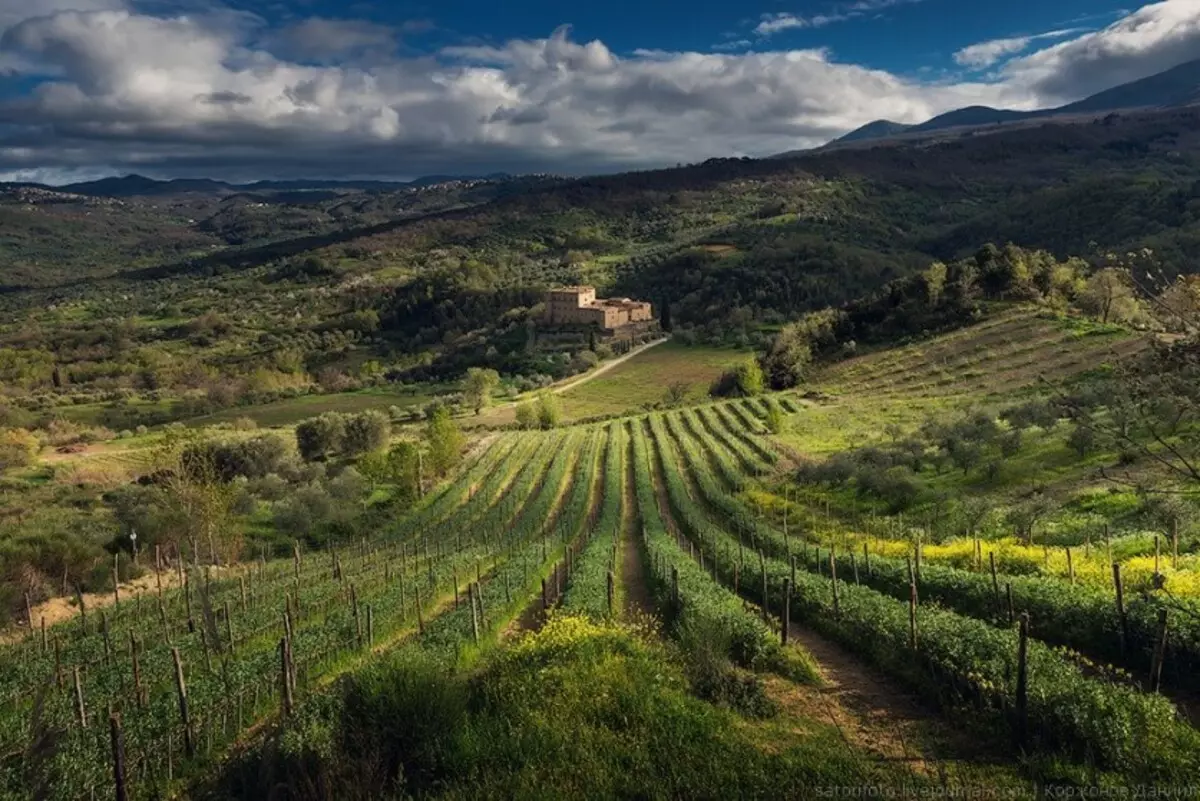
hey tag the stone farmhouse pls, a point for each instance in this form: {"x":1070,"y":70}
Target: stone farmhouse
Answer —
{"x":578,"y":305}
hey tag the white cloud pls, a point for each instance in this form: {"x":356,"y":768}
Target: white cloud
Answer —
{"x":208,"y":94}
{"x":772,"y":24}
{"x":1149,"y":40}
{"x":320,"y":39}
{"x":985,"y":54}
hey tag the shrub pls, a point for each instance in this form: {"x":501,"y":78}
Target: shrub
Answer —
{"x":526,"y":415}
{"x":18,"y":448}
{"x":319,"y":436}
{"x":549,"y":411}
{"x":365,"y":432}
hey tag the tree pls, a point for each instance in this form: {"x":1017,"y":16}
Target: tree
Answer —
{"x":200,"y":498}
{"x":18,"y":448}
{"x":1108,"y":294}
{"x":1178,"y":306}
{"x":404,"y":469}
{"x":935,"y":282}
{"x":375,"y":468}
{"x":792,"y":351}
{"x":478,"y":387}
{"x":775,"y":420}
{"x":1025,"y":515}
{"x":677,"y":392}
{"x":549,"y":411}
{"x":526,"y":415}
{"x":446,"y":442}
{"x":1082,"y":439}
{"x":364,"y":432}
{"x":749,"y":377}
{"x":319,"y":436}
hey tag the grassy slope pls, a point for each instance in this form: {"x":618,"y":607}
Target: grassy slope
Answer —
{"x":996,"y":362}
{"x":644,"y":379}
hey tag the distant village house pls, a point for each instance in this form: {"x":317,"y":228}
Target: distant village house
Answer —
{"x":578,"y":305}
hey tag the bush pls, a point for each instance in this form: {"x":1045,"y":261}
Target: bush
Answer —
{"x":526,"y":415}
{"x":18,"y":448}
{"x":549,"y":411}
{"x":319,"y":436}
{"x":365,"y":432}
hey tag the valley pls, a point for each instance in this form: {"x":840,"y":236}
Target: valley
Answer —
{"x":878,"y":471}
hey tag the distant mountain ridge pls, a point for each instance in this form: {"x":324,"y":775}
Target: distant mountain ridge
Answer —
{"x":1178,"y":86}
{"x":128,"y":186}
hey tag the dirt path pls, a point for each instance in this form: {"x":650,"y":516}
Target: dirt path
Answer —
{"x":871,"y":711}
{"x":639,"y":604}
{"x":64,"y":607}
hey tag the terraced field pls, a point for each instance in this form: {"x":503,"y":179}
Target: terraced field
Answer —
{"x":999,"y":357}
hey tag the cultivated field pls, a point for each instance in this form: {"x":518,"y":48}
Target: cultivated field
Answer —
{"x":826,"y":639}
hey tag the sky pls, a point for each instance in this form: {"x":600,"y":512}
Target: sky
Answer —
{"x":252,"y":89}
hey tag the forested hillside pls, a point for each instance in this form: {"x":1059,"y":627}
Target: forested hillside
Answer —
{"x":233,"y":307}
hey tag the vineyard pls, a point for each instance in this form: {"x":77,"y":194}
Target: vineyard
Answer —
{"x":1079,"y":664}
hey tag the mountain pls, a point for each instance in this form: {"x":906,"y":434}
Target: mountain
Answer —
{"x":970,"y":116}
{"x":137,"y":185}
{"x":1178,"y":86}
{"x":880,"y":129}
{"x":140,"y":186}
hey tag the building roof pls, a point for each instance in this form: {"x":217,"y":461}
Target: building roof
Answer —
{"x":580,"y":288}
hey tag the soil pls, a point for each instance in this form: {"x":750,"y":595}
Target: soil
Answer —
{"x":639,"y":604}
{"x":62,"y":607}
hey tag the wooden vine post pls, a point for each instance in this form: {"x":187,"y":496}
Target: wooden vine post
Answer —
{"x":837,"y":607}
{"x":675,"y":587}
{"x":1157,"y":559}
{"x":1070,"y":567}
{"x":229,"y":629}
{"x":787,"y":611}
{"x":80,"y":706}
{"x":181,"y":690}
{"x":118,"y":755}
{"x":474,"y":619}
{"x":1122,"y":617}
{"x":1022,"y":699}
{"x":610,"y":588}
{"x":1160,"y":652}
{"x":995,"y":580}
{"x":285,"y":675}
{"x":912,"y":614}
{"x":762,"y":568}
{"x":137,"y":670}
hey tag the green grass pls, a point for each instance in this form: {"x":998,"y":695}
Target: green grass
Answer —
{"x":580,"y":710}
{"x":643,"y":380}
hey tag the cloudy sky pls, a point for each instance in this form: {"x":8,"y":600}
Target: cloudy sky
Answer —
{"x":247,"y":89}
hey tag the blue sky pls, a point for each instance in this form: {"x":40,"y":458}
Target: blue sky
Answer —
{"x":249,"y":89}
{"x":902,"y":36}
